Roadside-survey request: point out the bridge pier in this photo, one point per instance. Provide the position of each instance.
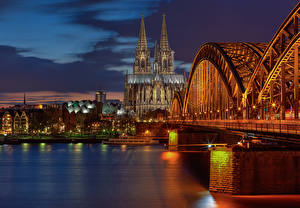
(240, 171)
(191, 136)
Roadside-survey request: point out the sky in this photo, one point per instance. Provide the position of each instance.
(58, 50)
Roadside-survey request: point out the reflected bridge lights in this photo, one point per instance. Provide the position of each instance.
(205, 200)
(170, 156)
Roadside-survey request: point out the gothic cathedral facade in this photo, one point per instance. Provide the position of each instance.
(152, 87)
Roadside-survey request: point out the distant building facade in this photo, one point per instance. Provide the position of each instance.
(21, 123)
(14, 122)
(150, 88)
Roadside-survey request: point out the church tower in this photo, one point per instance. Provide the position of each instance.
(149, 89)
(142, 53)
(163, 55)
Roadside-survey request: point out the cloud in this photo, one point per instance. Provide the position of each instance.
(123, 10)
(129, 60)
(20, 73)
(121, 68)
(182, 65)
(109, 10)
(133, 40)
(48, 35)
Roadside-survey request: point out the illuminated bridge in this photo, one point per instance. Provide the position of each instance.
(246, 86)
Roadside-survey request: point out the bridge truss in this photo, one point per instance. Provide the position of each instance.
(245, 80)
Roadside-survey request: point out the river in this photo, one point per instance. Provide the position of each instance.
(95, 175)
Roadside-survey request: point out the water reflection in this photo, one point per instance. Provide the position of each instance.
(110, 176)
(42, 147)
(8, 149)
(78, 147)
(70, 147)
(123, 148)
(103, 148)
(172, 157)
(25, 147)
(205, 200)
(48, 148)
(147, 148)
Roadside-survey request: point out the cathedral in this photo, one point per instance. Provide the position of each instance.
(151, 86)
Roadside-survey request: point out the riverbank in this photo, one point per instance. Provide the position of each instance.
(85, 139)
(49, 139)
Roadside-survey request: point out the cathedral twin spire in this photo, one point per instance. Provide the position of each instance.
(164, 43)
(142, 39)
(163, 55)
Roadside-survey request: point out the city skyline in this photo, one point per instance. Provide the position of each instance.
(70, 47)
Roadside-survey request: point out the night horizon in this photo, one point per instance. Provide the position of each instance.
(150, 103)
(72, 47)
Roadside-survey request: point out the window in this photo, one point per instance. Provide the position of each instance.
(142, 63)
(165, 63)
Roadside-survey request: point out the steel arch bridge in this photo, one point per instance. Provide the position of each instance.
(245, 81)
(177, 104)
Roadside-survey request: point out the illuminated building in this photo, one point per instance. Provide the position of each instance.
(7, 123)
(150, 88)
(77, 114)
(100, 96)
(20, 123)
(84, 106)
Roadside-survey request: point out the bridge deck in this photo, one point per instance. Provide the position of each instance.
(263, 126)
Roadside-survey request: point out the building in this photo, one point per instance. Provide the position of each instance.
(151, 87)
(7, 123)
(100, 96)
(77, 115)
(14, 122)
(20, 123)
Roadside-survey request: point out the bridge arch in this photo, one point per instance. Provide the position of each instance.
(177, 105)
(247, 80)
(273, 89)
(218, 78)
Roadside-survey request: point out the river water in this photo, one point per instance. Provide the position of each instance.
(95, 175)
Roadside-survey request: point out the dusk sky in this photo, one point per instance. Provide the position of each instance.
(56, 50)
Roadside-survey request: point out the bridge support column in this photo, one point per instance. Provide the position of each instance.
(245, 107)
(261, 110)
(173, 140)
(282, 105)
(236, 171)
(245, 116)
(296, 82)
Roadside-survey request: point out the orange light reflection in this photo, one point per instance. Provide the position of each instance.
(170, 156)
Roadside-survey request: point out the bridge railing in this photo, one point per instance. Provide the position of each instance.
(270, 126)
